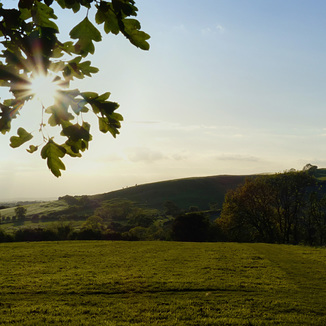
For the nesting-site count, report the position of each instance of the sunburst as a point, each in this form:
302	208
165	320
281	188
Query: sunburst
45	88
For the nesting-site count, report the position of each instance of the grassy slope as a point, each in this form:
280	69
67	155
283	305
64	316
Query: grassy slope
199	191
161	283
187	192
38	208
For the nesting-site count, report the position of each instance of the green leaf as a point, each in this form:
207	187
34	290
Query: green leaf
52	152
76	132
59	114
112	125
41	15
69	150
7	114
133	33
106	15
23	137
71	4
89	95
78	138
32	149
86	33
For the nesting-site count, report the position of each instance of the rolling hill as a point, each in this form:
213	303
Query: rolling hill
200	191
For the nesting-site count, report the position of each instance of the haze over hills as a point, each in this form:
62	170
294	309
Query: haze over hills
197	191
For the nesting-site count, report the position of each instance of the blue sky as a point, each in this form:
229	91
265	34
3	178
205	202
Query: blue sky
228	87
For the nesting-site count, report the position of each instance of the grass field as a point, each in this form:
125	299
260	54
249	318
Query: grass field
37	208
161	283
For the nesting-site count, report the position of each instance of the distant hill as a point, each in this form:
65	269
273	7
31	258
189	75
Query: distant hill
200	191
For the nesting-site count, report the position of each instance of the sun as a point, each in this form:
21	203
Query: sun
45	89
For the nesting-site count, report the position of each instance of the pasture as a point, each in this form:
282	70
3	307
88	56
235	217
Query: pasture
161	283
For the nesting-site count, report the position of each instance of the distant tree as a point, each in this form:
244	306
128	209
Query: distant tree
35	218
70	200
94	223
170	208
315	220
190	227
20	213
193	209
248	212
292	191
310	168
267	208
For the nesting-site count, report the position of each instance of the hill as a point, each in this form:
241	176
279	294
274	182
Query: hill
200	191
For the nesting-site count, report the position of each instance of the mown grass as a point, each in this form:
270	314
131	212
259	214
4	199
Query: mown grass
161	283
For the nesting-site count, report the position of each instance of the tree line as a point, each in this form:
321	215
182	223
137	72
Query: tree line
287	207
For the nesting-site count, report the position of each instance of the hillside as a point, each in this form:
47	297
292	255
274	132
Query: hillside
200	191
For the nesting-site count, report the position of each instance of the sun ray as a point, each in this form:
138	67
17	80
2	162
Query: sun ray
44	88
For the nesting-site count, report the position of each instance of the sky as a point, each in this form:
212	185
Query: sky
227	87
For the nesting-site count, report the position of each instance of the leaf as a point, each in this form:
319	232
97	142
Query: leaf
76	132
41	15
23	137
86	33
59	114
71	4
32	149
109	124
106	15
53	152
133	33
7	114
69	151
78	138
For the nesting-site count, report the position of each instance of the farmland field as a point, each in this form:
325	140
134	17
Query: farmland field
161	283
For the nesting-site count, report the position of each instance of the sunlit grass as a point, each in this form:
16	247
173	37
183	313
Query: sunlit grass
161	283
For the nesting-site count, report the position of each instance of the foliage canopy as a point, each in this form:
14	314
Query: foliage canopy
283	208
32	51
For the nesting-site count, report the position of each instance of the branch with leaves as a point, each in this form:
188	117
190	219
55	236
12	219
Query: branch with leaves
31	49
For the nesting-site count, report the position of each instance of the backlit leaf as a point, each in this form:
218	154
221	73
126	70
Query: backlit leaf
135	36
32	149
23	137
52	152
86	33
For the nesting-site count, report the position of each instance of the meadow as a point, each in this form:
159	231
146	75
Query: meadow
161	283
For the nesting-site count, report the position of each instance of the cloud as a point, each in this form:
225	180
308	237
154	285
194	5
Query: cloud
180	27
145	155
206	31
148	122
237	157
218	29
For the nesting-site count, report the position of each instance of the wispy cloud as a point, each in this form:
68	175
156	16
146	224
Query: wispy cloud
220	29
210	30
237	157
165	125
144	155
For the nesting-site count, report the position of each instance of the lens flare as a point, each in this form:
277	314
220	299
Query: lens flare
45	89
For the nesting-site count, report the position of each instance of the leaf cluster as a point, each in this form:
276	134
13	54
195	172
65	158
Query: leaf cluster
31	46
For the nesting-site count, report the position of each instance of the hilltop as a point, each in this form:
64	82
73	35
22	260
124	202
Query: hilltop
200	191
